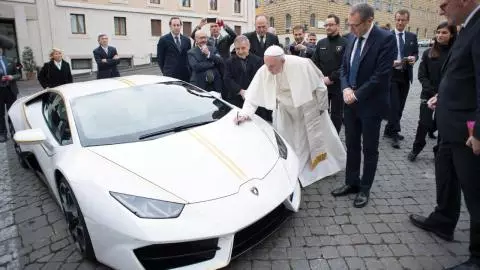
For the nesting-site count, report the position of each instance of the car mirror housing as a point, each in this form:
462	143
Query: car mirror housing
29	136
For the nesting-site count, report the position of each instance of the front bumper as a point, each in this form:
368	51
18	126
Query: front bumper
206	235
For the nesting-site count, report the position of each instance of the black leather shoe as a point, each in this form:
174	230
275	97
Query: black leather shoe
400	137
468	265
3	138
361	200
421	222
412	156
431	135
344	190
395	143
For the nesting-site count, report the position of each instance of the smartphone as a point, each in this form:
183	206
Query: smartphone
211	20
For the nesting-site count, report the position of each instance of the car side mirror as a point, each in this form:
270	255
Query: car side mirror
29	136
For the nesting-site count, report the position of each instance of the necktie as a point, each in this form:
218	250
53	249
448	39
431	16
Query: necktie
401	44
3	70
262	43
216	42
244	64
177	42
352	76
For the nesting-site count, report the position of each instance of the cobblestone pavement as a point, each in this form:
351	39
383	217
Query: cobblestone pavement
327	233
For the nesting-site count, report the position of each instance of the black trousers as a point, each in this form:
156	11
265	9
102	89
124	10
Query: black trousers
336	103
399	88
457	169
355	128
425	124
7	98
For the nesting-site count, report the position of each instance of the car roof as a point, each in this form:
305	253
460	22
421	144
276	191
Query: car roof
74	90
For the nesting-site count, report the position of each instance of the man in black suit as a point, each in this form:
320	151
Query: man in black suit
8	90
221	42
365	72
407	55
459	148
172	51
107	59
205	64
260	40
300	47
240	70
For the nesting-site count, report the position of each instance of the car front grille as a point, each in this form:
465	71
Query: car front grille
167	256
252	235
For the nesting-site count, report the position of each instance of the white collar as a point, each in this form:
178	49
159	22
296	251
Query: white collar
470	16
57	63
398	32
173	35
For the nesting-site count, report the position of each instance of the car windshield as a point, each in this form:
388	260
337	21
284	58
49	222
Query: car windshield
143	112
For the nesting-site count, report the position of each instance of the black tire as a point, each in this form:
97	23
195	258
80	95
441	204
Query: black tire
21	160
75	221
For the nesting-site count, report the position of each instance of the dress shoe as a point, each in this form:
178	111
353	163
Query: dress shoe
344	190
400	137
468	265
395	143
3	138
421	222
361	200
412	156
431	135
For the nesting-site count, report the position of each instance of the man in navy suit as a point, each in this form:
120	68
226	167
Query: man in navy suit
107	59
402	77
365	76
172	51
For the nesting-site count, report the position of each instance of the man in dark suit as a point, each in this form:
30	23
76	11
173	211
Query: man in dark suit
300	47
458	108
107	59
365	72
402	77
205	64
240	70
221	42
172	51
8	90
260	40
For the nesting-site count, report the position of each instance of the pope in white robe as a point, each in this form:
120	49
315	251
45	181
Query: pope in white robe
293	88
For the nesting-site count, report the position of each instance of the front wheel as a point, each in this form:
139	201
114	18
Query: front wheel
21	160
75	221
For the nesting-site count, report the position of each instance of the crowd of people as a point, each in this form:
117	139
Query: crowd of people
307	90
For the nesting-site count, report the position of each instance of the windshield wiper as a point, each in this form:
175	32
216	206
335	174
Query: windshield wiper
174	129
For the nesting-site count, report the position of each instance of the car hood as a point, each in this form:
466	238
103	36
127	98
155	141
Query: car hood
199	164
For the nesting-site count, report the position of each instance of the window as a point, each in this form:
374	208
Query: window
77	23
186	3
238	29
120	24
272	22
81	64
237	6
390	6
156	2
212	5
187	28
156	27
313	20
257	3
288	21
55	115
378	4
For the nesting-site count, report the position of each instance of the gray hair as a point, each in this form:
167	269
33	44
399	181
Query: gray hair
364	10
241	39
101	35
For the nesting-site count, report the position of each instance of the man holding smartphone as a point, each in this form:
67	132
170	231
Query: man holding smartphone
402	75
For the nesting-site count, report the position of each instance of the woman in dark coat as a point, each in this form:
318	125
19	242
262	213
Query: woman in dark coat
55	72
429	75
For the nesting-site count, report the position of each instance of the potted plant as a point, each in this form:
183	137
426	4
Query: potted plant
28	62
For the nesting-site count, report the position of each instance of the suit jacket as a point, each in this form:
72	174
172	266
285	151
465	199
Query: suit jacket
11	70
255	48
200	65
410	49
236	78
459	90
51	76
374	73
108	69
308	53
172	61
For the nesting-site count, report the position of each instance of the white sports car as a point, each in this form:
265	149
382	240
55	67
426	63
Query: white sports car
152	173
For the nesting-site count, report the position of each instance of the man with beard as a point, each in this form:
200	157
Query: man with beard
328	58
240	70
300	47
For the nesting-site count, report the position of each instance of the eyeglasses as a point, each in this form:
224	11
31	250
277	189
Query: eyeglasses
354	25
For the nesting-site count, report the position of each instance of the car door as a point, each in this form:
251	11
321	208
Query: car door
53	121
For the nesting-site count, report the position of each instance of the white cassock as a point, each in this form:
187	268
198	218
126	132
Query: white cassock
288	94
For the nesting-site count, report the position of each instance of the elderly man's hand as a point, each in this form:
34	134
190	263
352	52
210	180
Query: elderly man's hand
240	118
348	96
474	143
432	102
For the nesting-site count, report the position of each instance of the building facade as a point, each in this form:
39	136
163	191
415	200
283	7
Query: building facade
134	26
284	14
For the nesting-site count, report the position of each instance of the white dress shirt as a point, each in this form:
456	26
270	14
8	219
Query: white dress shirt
58	64
365	37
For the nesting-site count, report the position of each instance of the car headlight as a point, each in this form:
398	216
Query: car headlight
282	148
148	208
